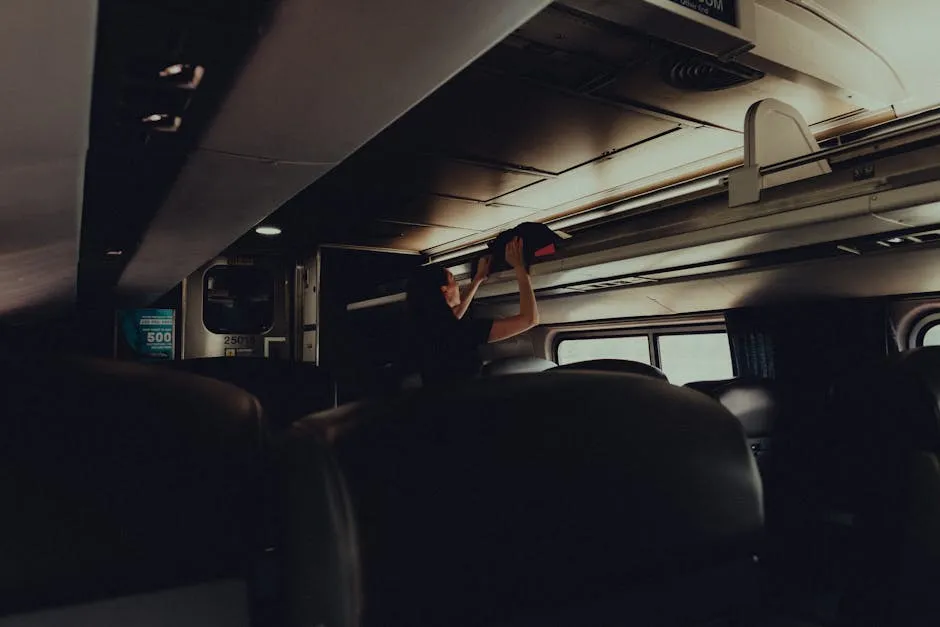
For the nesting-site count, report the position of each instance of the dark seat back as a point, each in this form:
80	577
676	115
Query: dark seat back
754	402
888	471
535	500
287	390
624	366
120	480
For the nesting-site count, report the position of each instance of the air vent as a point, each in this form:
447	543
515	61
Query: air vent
886	241
697	73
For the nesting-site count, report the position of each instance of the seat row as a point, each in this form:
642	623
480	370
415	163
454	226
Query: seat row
143	495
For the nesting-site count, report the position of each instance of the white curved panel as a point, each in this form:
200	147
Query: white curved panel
773	132
817	43
905	31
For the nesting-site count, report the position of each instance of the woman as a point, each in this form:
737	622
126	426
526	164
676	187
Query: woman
447	343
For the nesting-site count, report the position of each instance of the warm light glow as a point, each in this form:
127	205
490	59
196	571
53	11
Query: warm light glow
268	230
172	70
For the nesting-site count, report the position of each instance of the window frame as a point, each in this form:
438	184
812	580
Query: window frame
915	338
228	267
698	331
652	334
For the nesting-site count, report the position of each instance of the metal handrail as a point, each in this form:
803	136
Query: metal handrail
852	146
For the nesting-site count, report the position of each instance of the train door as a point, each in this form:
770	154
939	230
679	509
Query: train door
239	307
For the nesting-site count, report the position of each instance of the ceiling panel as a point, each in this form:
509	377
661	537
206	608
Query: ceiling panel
663	155
560	28
387	234
726	108
217	198
523	124
324	79
466	180
363	65
440	211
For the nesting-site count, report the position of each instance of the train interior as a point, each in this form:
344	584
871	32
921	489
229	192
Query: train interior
728	413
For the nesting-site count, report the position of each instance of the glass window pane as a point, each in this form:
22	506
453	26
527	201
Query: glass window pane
932	336
238	299
695	357
636	348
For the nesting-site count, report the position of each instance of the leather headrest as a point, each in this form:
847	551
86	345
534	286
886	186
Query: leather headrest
506	495
708	387
288	390
754	402
121	478
625	366
516	365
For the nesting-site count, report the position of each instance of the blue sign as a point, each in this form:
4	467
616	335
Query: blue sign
147	334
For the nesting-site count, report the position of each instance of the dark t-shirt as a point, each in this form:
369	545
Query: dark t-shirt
452	353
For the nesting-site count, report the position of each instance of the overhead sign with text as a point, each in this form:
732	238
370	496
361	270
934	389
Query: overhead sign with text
721	10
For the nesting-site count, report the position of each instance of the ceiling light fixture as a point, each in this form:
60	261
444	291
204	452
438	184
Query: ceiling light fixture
183	75
162	122
269	231
114	253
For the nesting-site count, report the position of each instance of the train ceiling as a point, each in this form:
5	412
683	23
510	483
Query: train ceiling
562	112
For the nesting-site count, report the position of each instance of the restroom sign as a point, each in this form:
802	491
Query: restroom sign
721	10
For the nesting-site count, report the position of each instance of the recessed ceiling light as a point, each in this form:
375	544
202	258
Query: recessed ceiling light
267	230
895	240
162	122
183	75
115	253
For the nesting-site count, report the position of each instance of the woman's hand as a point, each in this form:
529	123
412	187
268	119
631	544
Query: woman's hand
483	269
514	253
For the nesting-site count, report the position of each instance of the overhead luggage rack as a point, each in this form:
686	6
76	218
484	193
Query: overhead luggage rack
694	224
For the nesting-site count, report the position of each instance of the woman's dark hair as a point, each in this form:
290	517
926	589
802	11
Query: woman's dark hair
425	301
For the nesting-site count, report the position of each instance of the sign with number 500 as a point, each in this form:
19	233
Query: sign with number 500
159	337
147	334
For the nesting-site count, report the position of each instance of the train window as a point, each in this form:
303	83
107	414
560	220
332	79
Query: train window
634	348
932	335
926	331
238	300
695	357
